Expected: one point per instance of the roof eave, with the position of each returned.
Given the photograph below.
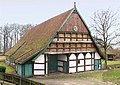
(37, 53)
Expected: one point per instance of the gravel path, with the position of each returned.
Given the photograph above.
(70, 81)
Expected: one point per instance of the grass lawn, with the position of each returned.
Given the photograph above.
(2, 58)
(112, 62)
(9, 69)
(112, 76)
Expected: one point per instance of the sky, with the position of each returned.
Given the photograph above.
(37, 11)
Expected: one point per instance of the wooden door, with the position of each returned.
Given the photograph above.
(97, 63)
(65, 64)
(28, 70)
(53, 63)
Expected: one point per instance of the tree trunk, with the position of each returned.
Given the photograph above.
(4, 44)
(106, 58)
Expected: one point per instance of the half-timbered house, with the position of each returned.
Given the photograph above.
(62, 43)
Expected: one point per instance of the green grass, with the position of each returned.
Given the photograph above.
(9, 69)
(112, 76)
(5, 83)
(112, 62)
(2, 58)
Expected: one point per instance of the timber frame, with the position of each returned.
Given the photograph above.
(67, 47)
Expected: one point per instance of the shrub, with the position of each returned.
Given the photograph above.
(2, 69)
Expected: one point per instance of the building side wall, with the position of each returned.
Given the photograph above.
(84, 62)
(41, 65)
(20, 69)
(97, 56)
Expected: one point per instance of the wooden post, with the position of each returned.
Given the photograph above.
(68, 63)
(94, 60)
(76, 63)
(84, 61)
(20, 81)
(48, 64)
(45, 63)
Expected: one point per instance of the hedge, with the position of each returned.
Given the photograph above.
(2, 69)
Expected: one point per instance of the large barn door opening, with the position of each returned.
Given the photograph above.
(53, 63)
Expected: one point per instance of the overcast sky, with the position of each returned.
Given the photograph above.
(37, 11)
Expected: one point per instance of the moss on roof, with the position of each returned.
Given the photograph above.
(37, 38)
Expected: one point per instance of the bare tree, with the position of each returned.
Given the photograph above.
(6, 32)
(104, 24)
(0, 39)
(10, 34)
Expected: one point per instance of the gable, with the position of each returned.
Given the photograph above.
(69, 40)
(74, 20)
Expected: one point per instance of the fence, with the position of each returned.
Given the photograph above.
(17, 79)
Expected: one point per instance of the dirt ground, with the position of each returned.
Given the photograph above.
(70, 81)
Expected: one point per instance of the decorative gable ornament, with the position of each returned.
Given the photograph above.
(75, 28)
